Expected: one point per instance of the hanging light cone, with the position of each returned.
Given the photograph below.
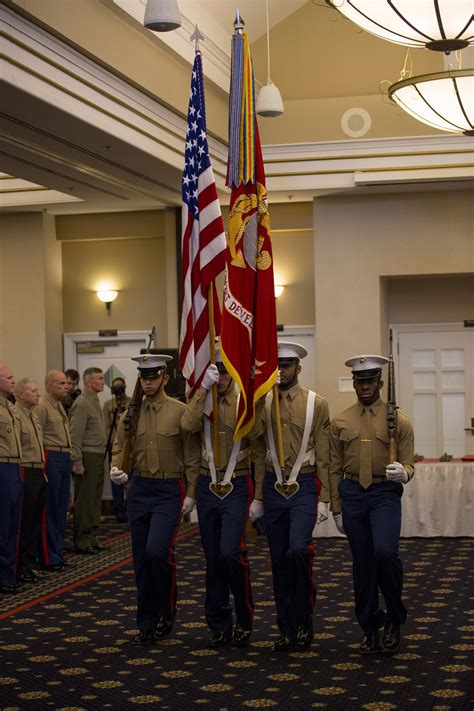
(162, 15)
(269, 101)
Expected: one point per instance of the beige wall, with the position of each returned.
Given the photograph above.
(293, 253)
(30, 288)
(437, 299)
(136, 268)
(134, 253)
(360, 240)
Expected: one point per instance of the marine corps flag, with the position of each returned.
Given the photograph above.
(248, 330)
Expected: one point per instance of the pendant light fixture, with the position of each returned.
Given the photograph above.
(443, 100)
(269, 102)
(162, 15)
(441, 25)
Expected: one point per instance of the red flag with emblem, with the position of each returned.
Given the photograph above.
(248, 329)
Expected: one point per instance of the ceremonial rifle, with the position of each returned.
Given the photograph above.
(391, 407)
(130, 422)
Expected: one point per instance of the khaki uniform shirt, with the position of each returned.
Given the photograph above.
(293, 418)
(10, 429)
(346, 444)
(87, 426)
(31, 437)
(161, 445)
(108, 412)
(54, 423)
(193, 419)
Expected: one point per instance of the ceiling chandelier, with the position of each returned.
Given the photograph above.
(442, 25)
(444, 100)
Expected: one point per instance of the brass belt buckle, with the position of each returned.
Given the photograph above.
(221, 489)
(287, 489)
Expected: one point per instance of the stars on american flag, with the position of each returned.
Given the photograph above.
(196, 148)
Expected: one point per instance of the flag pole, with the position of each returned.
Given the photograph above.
(212, 348)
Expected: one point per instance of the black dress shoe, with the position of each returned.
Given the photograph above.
(53, 568)
(283, 643)
(241, 636)
(143, 639)
(219, 639)
(163, 627)
(89, 550)
(98, 547)
(391, 637)
(370, 644)
(26, 576)
(304, 635)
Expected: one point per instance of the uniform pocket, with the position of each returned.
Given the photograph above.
(169, 448)
(348, 435)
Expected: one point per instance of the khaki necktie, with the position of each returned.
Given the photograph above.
(65, 423)
(152, 459)
(366, 437)
(285, 420)
(221, 461)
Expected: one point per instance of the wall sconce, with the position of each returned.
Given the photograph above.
(279, 289)
(107, 297)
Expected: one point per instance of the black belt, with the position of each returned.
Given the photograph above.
(158, 475)
(10, 460)
(376, 479)
(301, 472)
(236, 472)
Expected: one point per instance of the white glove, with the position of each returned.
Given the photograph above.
(211, 377)
(278, 380)
(322, 514)
(339, 524)
(118, 476)
(255, 510)
(396, 472)
(188, 505)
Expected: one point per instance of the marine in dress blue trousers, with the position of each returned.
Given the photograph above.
(222, 520)
(368, 490)
(161, 457)
(11, 483)
(289, 522)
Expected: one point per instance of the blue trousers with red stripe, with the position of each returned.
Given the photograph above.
(53, 525)
(154, 513)
(289, 524)
(222, 526)
(11, 488)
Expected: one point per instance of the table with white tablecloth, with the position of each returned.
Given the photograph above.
(438, 501)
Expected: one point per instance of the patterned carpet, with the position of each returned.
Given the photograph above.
(65, 641)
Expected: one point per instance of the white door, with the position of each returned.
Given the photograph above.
(436, 389)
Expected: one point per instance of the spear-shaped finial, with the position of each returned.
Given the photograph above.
(239, 23)
(197, 37)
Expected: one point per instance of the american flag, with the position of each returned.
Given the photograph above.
(203, 239)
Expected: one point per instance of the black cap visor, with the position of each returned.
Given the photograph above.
(367, 374)
(151, 373)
